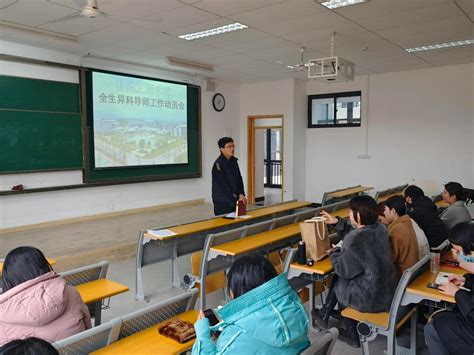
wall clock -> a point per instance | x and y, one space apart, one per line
218 102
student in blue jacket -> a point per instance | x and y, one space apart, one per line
265 316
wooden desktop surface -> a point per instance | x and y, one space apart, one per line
441 204
190 228
350 191
50 261
418 287
256 241
259 240
385 198
149 341
98 290
321 267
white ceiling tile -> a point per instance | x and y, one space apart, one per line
176 18
467 6
390 67
80 25
139 8
280 12
428 32
120 34
412 16
33 12
378 8
230 7
449 56
228 40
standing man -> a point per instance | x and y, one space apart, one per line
227 184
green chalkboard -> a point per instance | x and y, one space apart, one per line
40 125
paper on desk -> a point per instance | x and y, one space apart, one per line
161 232
442 277
232 215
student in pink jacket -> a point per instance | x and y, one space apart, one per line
36 302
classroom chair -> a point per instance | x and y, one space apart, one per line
284 221
388 323
324 343
156 313
89 340
86 274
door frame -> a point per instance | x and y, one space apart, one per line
251 152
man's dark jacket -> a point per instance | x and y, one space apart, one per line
424 212
227 182
456 329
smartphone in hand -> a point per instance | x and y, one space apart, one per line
209 314
432 285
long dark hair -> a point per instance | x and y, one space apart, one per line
249 272
28 346
23 264
462 234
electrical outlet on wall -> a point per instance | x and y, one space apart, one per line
364 156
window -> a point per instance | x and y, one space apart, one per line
334 110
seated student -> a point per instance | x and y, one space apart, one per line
36 301
453 332
28 346
265 316
424 213
402 236
364 272
457 212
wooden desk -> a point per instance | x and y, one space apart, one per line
349 191
441 204
385 198
98 290
219 222
322 267
417 290
190 239
50 261
260 240
94 292
149 341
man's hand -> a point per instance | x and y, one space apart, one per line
328 219
243 198
448 288
456 280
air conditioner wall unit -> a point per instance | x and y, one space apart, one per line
331 69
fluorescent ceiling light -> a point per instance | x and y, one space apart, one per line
431 47
214 31
189 65
334 4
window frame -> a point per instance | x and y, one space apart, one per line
334 96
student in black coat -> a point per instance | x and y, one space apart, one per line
453 332
424 212
227 184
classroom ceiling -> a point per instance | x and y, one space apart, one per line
373 35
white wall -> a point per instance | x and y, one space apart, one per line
419 131
18 210
273 98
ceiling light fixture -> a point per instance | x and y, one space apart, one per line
189 65
431 47
214 31
334 4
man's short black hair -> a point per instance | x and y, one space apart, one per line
398 204
456 189
223 141
414 192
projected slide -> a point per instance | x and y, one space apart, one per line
138 121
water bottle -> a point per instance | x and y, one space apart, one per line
301 257
434 262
